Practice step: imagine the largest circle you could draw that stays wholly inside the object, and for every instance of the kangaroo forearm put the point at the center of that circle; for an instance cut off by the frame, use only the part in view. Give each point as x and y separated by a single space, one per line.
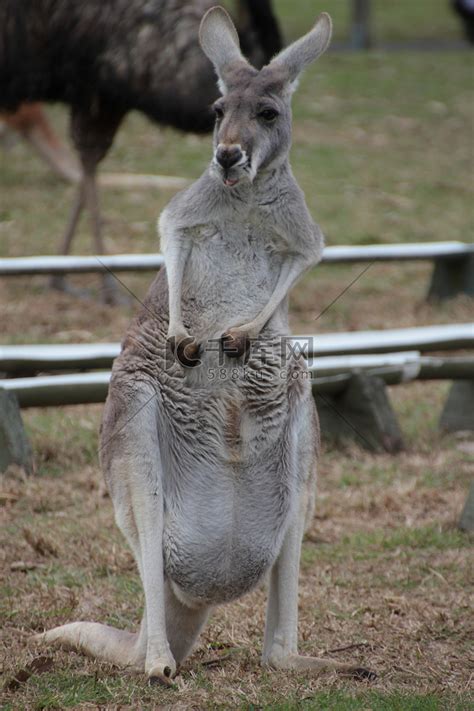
176 255
291 271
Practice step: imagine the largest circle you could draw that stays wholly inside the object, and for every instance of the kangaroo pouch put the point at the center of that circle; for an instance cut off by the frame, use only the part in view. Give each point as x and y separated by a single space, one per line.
223 524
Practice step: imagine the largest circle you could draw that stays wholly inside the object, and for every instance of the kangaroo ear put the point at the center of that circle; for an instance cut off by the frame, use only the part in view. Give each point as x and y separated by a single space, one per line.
220 41
295 58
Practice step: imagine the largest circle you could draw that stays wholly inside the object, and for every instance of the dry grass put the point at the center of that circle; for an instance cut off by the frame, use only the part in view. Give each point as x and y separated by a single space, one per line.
385 574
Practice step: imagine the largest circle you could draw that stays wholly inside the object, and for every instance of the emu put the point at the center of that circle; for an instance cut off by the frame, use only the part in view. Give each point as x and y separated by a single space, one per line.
210 432
106 57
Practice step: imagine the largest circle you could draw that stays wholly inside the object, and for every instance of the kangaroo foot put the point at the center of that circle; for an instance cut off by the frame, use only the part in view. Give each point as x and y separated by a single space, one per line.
315 664
161 673
98 641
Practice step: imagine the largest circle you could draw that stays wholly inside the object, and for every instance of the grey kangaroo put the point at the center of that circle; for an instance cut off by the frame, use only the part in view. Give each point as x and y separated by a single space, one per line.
210 434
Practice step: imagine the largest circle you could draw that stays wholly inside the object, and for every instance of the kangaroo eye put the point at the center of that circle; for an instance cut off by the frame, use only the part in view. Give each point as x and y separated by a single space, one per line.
268 115
219 112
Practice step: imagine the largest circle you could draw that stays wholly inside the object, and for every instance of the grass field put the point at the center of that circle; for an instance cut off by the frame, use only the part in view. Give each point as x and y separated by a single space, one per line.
383 147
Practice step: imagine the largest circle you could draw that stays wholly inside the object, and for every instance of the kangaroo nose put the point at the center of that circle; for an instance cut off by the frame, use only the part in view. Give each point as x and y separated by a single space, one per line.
227 156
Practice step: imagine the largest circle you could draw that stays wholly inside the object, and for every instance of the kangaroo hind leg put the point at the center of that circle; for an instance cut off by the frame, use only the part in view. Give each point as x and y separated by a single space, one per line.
98 641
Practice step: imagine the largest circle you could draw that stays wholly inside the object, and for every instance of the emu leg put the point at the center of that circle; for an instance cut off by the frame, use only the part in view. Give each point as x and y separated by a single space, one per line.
92 132
111 293
59 281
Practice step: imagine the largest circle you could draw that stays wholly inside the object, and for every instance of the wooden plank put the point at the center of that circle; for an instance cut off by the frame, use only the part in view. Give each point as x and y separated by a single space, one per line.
408 362
397 252
23 266
90 356
84 388
331 378
424 338
78 356
452 368
53 390
412 365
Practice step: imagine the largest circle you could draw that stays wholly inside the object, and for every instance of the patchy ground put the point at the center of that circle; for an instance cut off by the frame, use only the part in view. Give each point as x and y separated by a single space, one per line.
386 580
380 147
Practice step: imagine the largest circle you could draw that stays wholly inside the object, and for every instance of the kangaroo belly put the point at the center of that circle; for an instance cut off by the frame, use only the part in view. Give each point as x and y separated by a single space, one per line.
227 502
219 544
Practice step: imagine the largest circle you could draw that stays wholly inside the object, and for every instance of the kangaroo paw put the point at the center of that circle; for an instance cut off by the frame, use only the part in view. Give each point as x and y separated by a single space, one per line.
186 350
235 343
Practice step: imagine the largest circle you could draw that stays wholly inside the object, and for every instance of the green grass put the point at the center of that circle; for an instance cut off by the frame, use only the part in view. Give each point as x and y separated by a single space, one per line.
340 701
61 690
404 541
408 539
54 452
391 21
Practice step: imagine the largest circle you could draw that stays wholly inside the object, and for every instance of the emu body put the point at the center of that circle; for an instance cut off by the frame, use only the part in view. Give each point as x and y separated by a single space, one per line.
108 56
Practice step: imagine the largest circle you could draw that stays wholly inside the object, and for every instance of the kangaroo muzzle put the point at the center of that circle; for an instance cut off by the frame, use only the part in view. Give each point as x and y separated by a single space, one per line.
228 155
231 160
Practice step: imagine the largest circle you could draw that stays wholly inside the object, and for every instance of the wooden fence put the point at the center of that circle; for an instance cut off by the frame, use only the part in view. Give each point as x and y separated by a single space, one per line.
453 263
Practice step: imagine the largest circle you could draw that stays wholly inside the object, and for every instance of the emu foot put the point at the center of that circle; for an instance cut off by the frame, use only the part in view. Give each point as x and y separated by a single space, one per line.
113 293
60 283
235 343
186 350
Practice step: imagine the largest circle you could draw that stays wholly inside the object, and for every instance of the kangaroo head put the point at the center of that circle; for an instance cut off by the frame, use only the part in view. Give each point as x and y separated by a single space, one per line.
253 116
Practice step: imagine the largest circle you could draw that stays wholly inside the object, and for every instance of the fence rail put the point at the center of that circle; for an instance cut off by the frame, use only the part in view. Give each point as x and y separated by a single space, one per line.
427 251
95 356
329 375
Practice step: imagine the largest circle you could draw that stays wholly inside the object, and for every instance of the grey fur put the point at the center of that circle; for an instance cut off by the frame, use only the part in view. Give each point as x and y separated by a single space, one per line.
213 479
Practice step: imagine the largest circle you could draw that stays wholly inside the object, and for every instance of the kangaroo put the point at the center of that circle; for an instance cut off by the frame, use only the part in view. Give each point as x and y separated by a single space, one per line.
210 435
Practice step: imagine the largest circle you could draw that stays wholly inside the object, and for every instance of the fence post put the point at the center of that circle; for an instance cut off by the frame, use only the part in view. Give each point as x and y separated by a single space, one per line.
14 445
466 522
362 413
458 412
360 30
452 277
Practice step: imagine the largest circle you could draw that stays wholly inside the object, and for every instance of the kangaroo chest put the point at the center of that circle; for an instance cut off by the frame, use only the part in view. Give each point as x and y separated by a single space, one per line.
230 274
